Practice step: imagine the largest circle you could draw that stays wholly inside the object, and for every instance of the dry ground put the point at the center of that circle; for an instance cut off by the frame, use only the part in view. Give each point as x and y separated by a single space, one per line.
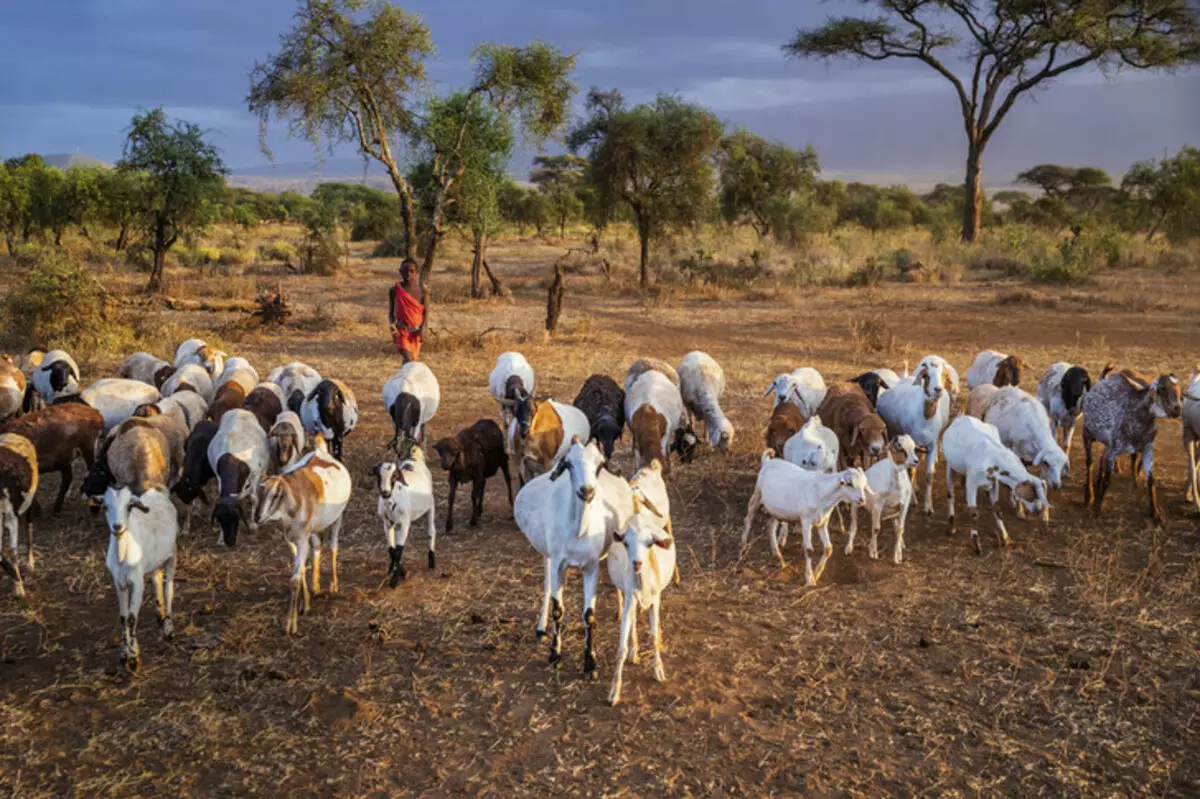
1065 665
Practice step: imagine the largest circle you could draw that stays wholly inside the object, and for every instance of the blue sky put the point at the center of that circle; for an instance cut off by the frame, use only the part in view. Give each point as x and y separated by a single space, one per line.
76 71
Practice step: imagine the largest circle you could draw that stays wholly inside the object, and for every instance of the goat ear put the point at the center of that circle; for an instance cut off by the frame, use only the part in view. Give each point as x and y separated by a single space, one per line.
398 477
854 436
1137 385
618 537
665 542
650 507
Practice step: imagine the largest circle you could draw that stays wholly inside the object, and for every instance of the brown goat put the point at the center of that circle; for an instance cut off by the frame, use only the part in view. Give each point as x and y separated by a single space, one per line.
786 420
230 396
58 433
862 434
473 454
265 406
1008 371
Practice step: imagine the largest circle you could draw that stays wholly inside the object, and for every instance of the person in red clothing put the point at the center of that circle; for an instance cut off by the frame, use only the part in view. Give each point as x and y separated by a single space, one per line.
406 314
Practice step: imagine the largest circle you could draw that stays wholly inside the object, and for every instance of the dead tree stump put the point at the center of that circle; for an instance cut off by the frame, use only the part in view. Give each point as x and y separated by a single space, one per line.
554 300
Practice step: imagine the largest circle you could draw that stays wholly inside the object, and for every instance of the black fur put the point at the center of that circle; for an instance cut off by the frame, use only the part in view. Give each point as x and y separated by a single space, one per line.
1076 382
60 375
163 374
474 455
196 469
515 390
265 406
296 401
606 431
603 402
331 404
233 475
406 416
870 383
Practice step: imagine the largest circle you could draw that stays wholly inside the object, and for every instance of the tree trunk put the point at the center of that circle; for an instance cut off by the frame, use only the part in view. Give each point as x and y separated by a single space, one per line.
643 225
406 211
435 233
160 260
497 286
121 236
477 265
973 194
58 238
1149 236
8 239
562 227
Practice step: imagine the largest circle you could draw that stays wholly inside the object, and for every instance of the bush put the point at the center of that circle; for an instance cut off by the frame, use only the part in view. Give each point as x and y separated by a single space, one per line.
62 304
391 247
235 256
200 255
277 251
320 253
139 257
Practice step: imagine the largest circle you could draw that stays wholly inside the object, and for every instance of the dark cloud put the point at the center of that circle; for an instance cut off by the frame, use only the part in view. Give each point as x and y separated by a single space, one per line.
78 69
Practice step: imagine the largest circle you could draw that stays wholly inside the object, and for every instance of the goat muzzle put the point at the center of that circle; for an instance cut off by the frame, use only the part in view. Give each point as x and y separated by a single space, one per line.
587 494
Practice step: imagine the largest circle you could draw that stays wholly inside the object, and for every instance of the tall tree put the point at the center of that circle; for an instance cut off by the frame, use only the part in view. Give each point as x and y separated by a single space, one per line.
760 179
184 181
83 196
14 202
558 177
348 72
1169 191
120 192
656 159
1012 47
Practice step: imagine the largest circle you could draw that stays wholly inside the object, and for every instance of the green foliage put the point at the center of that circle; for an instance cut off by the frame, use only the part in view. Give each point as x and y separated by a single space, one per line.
48 202
763 182
121 191
559 177
277 251
1168 193
320 248
245 216
199 255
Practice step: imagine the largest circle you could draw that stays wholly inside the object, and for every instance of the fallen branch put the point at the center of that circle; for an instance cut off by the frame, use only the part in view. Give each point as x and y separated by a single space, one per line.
214 306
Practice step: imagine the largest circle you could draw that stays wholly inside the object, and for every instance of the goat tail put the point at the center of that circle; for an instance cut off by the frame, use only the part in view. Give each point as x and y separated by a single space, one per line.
1108 369
319 443
768 454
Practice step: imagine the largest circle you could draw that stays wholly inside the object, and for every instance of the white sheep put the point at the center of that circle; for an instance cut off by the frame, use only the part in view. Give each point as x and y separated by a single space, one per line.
569 522
190 377
411 397
813 447
196 351
891 489
58 376
405 495
657 420
791 494
1024 427
640 564
142 537
511 381
116 399
805 387
146 368
973 449
701 384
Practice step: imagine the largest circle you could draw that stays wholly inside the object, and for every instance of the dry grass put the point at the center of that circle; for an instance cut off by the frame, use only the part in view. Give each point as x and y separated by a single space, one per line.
1065 665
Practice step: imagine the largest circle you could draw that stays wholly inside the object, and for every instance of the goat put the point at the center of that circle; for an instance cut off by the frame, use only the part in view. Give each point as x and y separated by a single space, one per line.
603 402
804 386
197 471
238 370
891 488
973 449
228 397
286 440
862 434
266 403
186 407
657 421
920 407
1121 412
238 456
546 439
1061 390
145 368
786 420
332 411
876 382
29 364
995 369
12 389
306 501
143 529
405 495
511 384
569 524
643 541
190 377
1190 414
57 377
701 384
643 365
473 454
791 494
141 453
1024 427
411 397
58 434
18 499
650 488
117 399
296 381
195 351
813 447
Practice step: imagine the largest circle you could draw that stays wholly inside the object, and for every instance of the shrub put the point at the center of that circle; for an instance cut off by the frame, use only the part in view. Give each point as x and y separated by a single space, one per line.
320 253
391 247
139 256
200 255
235 256
873 272
277 251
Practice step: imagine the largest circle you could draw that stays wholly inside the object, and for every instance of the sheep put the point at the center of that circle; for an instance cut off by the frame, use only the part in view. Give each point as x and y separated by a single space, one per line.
306 501
190 377
657 422
511 384
973 449
195 351
405 495
813 447
862 434
603 402
1024 427
643 365
18 498
786 420
266 403
891 489
1061 390
145 368
140 453
876 382
186 407
57 377
996 369
791 494
920 407
701 384
546 438
1191 434
238 455
228 397
12 389
197 471
474 454
240 371
296 381
1121 412
569 523
643 542
117 399
805 387
286 440
411 397
331 410
59 433
142 533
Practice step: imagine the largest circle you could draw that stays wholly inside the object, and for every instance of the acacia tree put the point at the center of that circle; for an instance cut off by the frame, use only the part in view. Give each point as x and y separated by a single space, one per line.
184 181
342 76
655 159
558 177
1169 191
1012 47
760 179
120 192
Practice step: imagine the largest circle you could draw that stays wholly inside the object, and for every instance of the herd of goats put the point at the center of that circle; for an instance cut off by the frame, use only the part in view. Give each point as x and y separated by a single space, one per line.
159 432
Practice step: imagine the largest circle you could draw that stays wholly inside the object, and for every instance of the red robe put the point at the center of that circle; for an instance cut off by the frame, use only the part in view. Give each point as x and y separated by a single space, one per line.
408 315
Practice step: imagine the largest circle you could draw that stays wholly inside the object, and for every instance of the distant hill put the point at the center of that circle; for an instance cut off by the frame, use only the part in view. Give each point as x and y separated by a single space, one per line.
68 160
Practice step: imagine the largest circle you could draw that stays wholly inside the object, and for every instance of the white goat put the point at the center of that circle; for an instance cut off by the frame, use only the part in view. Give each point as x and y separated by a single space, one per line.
146 368
805 387
657 420
1024 427
701 384
116 399
1191 434
142 537
195 351
58 376
814 447
649 486
920 407
891 489
296 381
238 455
791 494
191 377
186 407
240 371
405 495
1062 389
511 380
411 397
974 450
643 543
569 523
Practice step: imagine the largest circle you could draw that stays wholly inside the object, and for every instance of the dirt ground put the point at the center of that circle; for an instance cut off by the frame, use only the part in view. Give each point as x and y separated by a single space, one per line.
1065 665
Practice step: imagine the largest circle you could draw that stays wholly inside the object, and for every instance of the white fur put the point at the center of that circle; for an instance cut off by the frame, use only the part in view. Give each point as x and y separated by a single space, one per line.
401 504
701 384
238 370
655 389
189 352
507 365
1190 418
41 377
116 399
187 407
195 376
891 489
903 409
804 387
1024 427
295 376
417 379
141 366
983 368
813 447
1049 392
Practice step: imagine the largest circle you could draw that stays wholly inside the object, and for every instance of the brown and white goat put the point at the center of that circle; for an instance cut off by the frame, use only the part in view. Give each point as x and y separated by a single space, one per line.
547 437
59 433
18 488
786 420
995 368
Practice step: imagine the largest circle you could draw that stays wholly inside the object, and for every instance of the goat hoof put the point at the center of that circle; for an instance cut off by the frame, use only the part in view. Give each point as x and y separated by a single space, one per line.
555 657
133 663
397 576
541 634
432 560
474 522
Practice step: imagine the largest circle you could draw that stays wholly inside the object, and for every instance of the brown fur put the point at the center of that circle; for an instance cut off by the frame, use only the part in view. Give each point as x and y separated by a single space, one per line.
848 413
230 396
786 420
11 405
58 433
648 427
472 456
265 406
980 399
545 437
1008 372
